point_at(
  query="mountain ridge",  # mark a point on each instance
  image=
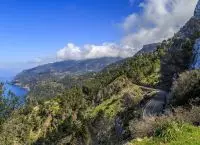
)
(62, 69)
(148, 48)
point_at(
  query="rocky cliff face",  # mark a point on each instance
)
(197, 11)
(192, 26)
(196, 53)
(191, 30)
(182, 49)
(148, 48)
(196, 48)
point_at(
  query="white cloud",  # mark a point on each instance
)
(159, 20)
(88, 51)
(70, 52)
(106, 49)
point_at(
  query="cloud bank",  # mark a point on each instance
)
(158, 20)
(89, 51)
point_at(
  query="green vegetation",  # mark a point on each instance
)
(181, 127)
(111, 107)
(56, 120)
(178, 57)
(142, 69)
(122, 106)
(45, 90)
(172, 133)
(186, 88)
(7, 105)
(71, 118)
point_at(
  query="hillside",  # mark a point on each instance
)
(47, 85)
(61, 69)
(97, 112)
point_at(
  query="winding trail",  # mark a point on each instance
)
(156, 105)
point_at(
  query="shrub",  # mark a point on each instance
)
(188, 115)
(168, 131)
(187, 87)
(142, 128)
(172, 133)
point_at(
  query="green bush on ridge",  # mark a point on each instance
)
(186, 88)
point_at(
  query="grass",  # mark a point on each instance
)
(111, 107)
(172, 133)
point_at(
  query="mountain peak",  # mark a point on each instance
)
(197, 10)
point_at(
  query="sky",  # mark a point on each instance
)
(34, 32)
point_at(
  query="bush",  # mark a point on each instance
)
(188, 115)
(172, 133)
(187, 87)
(157, 126)
(142, 128)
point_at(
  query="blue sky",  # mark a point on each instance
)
(38, 28)
(33, 32)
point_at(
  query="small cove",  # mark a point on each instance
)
(18, 91)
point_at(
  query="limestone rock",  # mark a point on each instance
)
(197, 10)
(196, 53)
(148, 48)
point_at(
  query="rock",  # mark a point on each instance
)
(197, 11)
(192, 26)
(189, 29)
(196, 53)
(149, 48)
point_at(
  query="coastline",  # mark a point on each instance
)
(21, 86)
(17, 84)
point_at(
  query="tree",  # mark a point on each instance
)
(7, 104)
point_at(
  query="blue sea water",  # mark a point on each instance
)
(19, 92)
(16, 90)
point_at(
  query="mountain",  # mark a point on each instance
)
(148, 48)
(197, 11)
(63, 68)
(181, 54)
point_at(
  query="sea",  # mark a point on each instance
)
(18, 91)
